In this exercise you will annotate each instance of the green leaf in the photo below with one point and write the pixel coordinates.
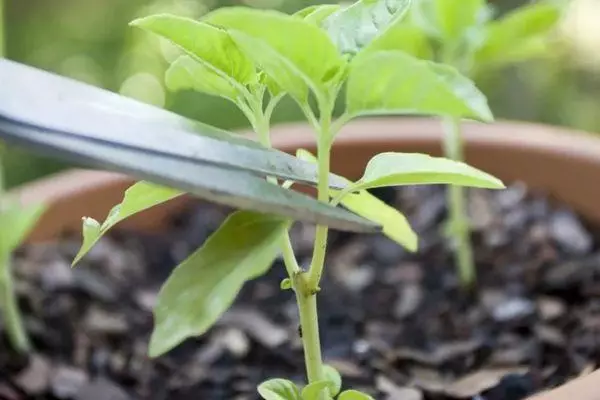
(519, 34)
(354, 27)
(449, 21)
(394, 169)
(354, 395)
(296, 54)
(395, 225)
(317, 13)
(279, 389)
(391, 82)
(334, 379)
(188, 74)
(403, 37)
(139, 197)
(204, 285)
(313, 391)
(16, 222)
(211, 46)
(455, 18)
(423, 14)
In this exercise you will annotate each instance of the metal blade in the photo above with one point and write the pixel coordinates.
(33, 98)
(237, 189)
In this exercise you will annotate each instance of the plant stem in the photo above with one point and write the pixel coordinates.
(12, 315)
(307, 296)
(309, 325)
(458, 221)
(324, 149)
(260, 121)
(2, 30)
(305, 284)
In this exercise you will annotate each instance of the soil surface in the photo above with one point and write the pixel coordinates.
(395, 324)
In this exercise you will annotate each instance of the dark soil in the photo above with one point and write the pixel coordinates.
(395, 324)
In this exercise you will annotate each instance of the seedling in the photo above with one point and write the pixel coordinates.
(468, 38)
(15, 224)
(254, 58)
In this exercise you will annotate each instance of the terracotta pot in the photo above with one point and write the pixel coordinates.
(562, 163)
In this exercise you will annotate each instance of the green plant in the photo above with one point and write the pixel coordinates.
(470, 39)
(254, 58)
(15, 224)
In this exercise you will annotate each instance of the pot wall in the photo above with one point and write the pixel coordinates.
(562, 163)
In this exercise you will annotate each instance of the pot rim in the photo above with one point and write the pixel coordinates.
(539, 138)
(558, 154)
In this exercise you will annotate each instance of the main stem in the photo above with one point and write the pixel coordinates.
(458, 220)
(306, 284)
(12, 316)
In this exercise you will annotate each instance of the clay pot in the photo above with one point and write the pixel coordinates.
(562, 163)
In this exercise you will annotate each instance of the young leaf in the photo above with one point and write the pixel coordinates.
(395, 225)
(139, 197)
(454, 18)
(334, 378)
(206, 43)
(15, 224)
(354, 27)
(394, 169)
(285, 284)
(279, 389)
(313, 391)
(403, 37)
(423, 14)
(296, 54)
(354, 395)
(391, 82)
(518, 34)
(317, 13)
(188, 74)
(205, 284)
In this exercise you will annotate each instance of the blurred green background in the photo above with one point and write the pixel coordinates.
(90, 40)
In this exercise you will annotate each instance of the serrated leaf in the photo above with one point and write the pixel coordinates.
(279, 389)
(403, 37)
(394, 223)
(208, 44)
(313, 391)
(317, 13)
(354, 395)
(16, 221)
(508, 38)
(188, 74)
(296, 54)
(395, 169)
(391, 82)
(354, 27)
(139, 197)
(205, 284)
(334, 378)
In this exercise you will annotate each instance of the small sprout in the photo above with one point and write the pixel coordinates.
(286, 284)
(469, 39)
